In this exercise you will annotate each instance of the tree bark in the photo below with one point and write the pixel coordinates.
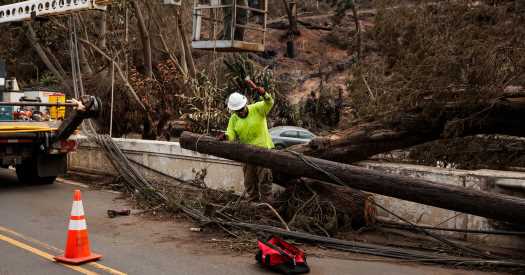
(84, 64)
(283, 25)
(480, 203)
(158, 20)
(186, 46)
(120, 72)
(353, 206)
(291, 11)
(31, 35)
(181, 44)
(426, 123)
(359, 32)
(54, 60)
(519, 6)
(102, 31)
(146, 40)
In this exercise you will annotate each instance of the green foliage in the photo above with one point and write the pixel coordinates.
(239, 67)
(48, 79)
(206, 108)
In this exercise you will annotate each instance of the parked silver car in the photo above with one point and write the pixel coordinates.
(285, 136)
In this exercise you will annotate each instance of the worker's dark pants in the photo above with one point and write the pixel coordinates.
(258, 183)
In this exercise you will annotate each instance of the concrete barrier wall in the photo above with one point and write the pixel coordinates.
(166, 157)
(169, 158)
(486, 180)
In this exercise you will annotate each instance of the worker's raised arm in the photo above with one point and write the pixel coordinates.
(265, 106)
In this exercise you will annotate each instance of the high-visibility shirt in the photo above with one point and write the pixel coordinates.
(253, 129)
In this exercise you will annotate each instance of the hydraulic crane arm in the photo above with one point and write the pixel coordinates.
(91, 108)
(27, 10)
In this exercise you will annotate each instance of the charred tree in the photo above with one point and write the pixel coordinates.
(293, 30)
(426, 123)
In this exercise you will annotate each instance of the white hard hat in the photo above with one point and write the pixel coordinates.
(236, 102)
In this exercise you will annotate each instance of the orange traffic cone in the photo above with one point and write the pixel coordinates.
(77, 246)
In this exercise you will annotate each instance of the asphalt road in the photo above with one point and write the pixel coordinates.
(33, 227)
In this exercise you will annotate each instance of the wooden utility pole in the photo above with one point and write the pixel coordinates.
(475, 202)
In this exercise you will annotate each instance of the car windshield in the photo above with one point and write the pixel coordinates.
(292, 134)
(305, 135)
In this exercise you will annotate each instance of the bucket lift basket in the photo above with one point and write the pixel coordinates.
(230, 25)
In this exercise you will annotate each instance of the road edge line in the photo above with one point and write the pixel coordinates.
(76, 183)
(70, 182)
(58, 250)
(43, 254)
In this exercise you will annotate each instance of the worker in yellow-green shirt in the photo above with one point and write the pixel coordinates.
(248, 125)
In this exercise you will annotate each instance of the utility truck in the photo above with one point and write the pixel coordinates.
(36, 134)
(38, 128)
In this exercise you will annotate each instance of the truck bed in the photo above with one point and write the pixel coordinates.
(29, 126)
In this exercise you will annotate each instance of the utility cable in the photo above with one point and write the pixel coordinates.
(469, 231)
(112, 98)
(422, 230)
(78, 84)
(73, 59)
(136, 181)
(357, 247)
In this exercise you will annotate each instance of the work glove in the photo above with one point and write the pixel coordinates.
(259, 90)
(221, 136)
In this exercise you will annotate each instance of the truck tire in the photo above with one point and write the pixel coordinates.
(27, 173)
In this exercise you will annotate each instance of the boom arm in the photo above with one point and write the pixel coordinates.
(27, 10)
(91, 109)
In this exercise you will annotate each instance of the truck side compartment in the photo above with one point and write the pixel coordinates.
(39, 153)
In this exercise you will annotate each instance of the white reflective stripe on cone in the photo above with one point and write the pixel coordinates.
(77, 209)
(77, 225)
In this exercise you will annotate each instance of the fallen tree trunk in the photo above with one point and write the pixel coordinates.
(428, 122)
(480, 203)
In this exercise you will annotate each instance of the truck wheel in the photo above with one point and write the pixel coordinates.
(27, 173)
